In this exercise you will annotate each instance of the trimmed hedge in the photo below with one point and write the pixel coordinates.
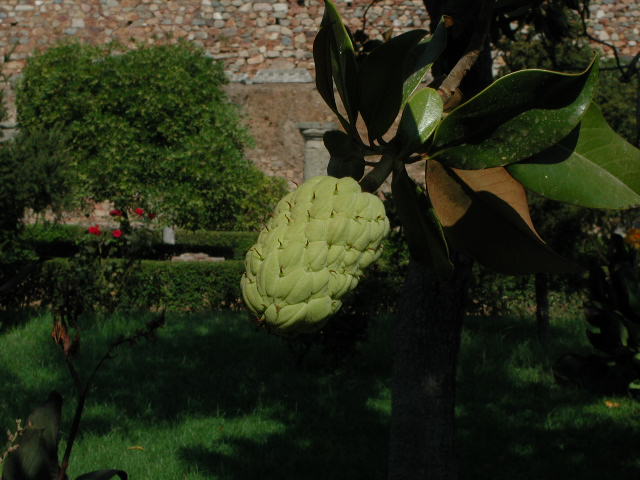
(158, 284)
(60, 241)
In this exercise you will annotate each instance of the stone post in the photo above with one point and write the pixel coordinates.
(169, 235)
(316, 156)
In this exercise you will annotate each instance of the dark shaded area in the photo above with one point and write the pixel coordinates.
(221, 366)
(508, 429)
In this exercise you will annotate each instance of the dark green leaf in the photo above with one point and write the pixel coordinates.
(516, 117)
(420, 118)
(322, 60)
(343, 61)
(485, 214)
(420, 224)
(339, 143)
(381, 80)
(593, 167)
(47, 418)
(420, 58)
(341, 167)
(30, 461)
(324, 77)
(346, 158)
(103, 475)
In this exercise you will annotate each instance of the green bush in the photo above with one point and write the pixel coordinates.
(33, 178)
(150, 128)
(176, 286)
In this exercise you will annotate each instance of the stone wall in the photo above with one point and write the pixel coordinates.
(247, 35)
(265, 44)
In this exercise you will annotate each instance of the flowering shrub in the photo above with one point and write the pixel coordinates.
(94, 282)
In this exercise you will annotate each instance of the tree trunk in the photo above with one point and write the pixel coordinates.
(428, 326)
(426, 341)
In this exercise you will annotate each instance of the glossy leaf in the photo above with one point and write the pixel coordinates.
(517, 116)
(322, 60)
(342, 59)
(381, 81)
(420, 117)
(104, 475)
(421, 58)
(593, 167)
(420, 224)
(485, 214)
(324, 76)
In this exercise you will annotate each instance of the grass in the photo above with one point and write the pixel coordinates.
(213, 398)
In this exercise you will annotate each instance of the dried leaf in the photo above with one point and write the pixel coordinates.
(485, 214)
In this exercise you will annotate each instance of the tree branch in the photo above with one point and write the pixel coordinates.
(476, 45)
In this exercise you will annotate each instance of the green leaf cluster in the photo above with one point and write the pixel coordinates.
(34, 177)
(532, 129)
(150, 127)
(613, 315)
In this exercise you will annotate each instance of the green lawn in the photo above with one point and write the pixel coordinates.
(214, 398)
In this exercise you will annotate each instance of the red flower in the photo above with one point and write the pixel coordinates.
(151, 216)
(115, 213)
(139, 211)
(117, 233)
(95, 230)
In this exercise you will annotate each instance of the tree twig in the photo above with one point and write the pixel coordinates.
(83, 390)
(586, 33)
(476, 45)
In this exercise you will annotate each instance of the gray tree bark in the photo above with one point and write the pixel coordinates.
(428, 326)
(426, 341)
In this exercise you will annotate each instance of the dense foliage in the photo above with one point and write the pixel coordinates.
(33, 177)
(614, 93)
(150, 127)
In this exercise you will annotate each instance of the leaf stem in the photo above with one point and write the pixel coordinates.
(476, 45)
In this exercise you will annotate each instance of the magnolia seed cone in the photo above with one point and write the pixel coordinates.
(311, 253)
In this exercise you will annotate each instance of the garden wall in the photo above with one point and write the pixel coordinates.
(266, 47)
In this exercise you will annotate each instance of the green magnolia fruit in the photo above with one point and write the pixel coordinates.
(311, 252)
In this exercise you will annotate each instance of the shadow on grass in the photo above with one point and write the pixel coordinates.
(315, 422)
(515, 422)
(222, 367)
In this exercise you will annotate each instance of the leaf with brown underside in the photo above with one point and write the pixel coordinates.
(485, 213)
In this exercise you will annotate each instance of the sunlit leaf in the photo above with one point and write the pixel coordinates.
(516, 117)
(420, 118)
(421, 58)
(593, 167)
(485, 214)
